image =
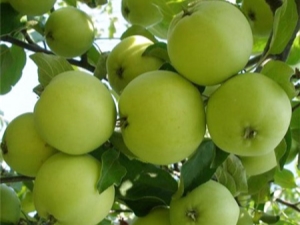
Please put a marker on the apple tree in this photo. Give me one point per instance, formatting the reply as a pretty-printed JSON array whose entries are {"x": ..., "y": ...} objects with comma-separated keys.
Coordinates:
[{"x": 166, "y": 112}]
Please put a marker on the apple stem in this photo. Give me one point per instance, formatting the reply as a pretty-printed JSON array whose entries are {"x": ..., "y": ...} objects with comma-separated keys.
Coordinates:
[
  {"x": 4, "y": 148},
  {"x": 122, "y": 122},
  {"x": 192, "y": 214},
  {"x": 249, "y": 133}
]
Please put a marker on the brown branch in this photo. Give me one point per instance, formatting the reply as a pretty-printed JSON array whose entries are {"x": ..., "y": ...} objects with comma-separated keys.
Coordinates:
[
  {"x": 83, "y": 63},
  {"x": 289, "y": 204},
  {"x": 14, "y": 179}
]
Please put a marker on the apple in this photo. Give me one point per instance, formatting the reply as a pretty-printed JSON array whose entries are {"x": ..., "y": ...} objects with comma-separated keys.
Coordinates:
[
  {"x": 162, "y": 117},
  {"x": 209, "y": 203},
  {"x": 248, "y": 115},
  {"x": 32, "y": 7},
  {"x": 255, "y": 165},
  {"x": 143, "y": 13},
  {"x": 69, "y": 32},
  {"x": 72, "y": 197},
  {"x": 244, "y": 218},
  {"x": 259, "y": 15},
  {"x": 125, "y": 62},
  {"x": 204, "y": 42},
  {"x": 22, "y": 147},
  {"x": 10, "y": 205},
  {"x": 75, "y": 113},
  {"x": 158, "y": 216}
]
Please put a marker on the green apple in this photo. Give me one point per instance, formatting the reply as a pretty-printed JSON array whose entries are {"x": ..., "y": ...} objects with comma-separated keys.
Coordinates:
[
  {"x": 126, "y": 61},
  {"x": 143, "y": 13},
  {"x": 209, "y": 203},
  {"x": 162, "y": 117},
  {"x": 32, "y": 7},
  {"x": 244, "y": 218},
  {"x": 22, "y": 147},
  {"x": 69, "y": 32},
  {"x": 209, "y": 42},
  {"x": 75, "y": 113},
  {"x": 72, "y": 197},
  {"x": 255, "y": 165},
  {"x": 248, "y": 115},
  {"x": 10, "y": 205},
  {"x": 157, "y": 216},
  {"x": 259, "y": 15}
]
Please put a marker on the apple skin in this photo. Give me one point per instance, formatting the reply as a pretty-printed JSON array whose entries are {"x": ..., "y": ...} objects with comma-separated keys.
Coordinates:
[
  {"x": 73, "y": 198},
  {"x": 248, "y": 115},
  {"x": 203, "y": 49},
  {"x": 143, "y": 13},
  {"x": 75, "y": 113},
  {"x": 162, "y": 116},
  {"x": 10, "y": 205},
  {"x": 125, "y": 62},
  {"x": 32, "y": 7},
  {"x": 25, "y": 151},
  {"x": 69, "y": 32},
  {"x": 157, "y": 216},
  {"x": 209, "y": 203},
  {"x": 259, "y": 15},
  {"x": 255, "y": 165}
]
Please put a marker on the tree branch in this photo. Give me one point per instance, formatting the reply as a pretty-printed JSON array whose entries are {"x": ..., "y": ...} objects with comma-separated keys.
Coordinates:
[
  {"x": 291, "y": 205},
  {"x": 83, "y": 63},
  {"x": 14, "y": 179}
]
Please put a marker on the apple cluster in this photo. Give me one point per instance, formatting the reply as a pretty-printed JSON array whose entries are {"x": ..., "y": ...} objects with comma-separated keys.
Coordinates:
[{"x": 159, "y": 115}]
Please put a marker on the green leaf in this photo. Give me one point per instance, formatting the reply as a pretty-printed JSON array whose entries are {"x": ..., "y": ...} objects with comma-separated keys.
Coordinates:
[
  {"x": 295, "y": 124},
  {"x": 112, "y": 171},
  {"x": 145, "y": 186},
  {"x": 200, "y": 167},
  {"x": 285, "y": 21},
  {"x": 294, "y": 55},
  {"x": 12, "y": 60},
  {"x": 49, "y": 66},
  {"x": 158, "y": 50},
  {"x": 285, "y": 178},
  {"x": 100, "y": 70},
  {"x": 281, "y": 73},
  {"x": 233, "y": 175},
  {"x": 263, "y": 195},
  {"x": 256, "y": 183},
  {"x": 283, "y": 149},
  {"x": 9, "y": 19},
  {"x": 71, "y": 2},
  {"x": 168, "y": 67},
  {"x": 93, "y": 55},
  {"x": 138, "y": 30}
]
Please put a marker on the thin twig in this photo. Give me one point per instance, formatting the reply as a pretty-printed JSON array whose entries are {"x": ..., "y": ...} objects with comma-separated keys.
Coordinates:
[
  {"x": 289, "y": 204},
  {"x": 14, "y": 179}
]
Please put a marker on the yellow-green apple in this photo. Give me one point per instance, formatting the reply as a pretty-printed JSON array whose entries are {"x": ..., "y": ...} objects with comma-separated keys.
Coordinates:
[
  {"x": 22, "y": 147},
  {"x": 259, "y": 15},
  {"x": 69, "y": 32},
  {"x": 10, "y": 205},
  {"x": 32, "y": 7},
  {"x": 75, "y": 113},
  {"x": 162, "y": 117},
  {"x": 209, "y": 203},
  {"x": 126, "y": 61},
  {"x": 157, "y": 216},
  {"x": 255, "y": 165},
  {"x": 143, "y": 13},
  {"x": 244, "y": 218},
  {"x": 204, "y": 42},
  {"x": 248, "y": 115},
  {"x": 65, "y": 190}
]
